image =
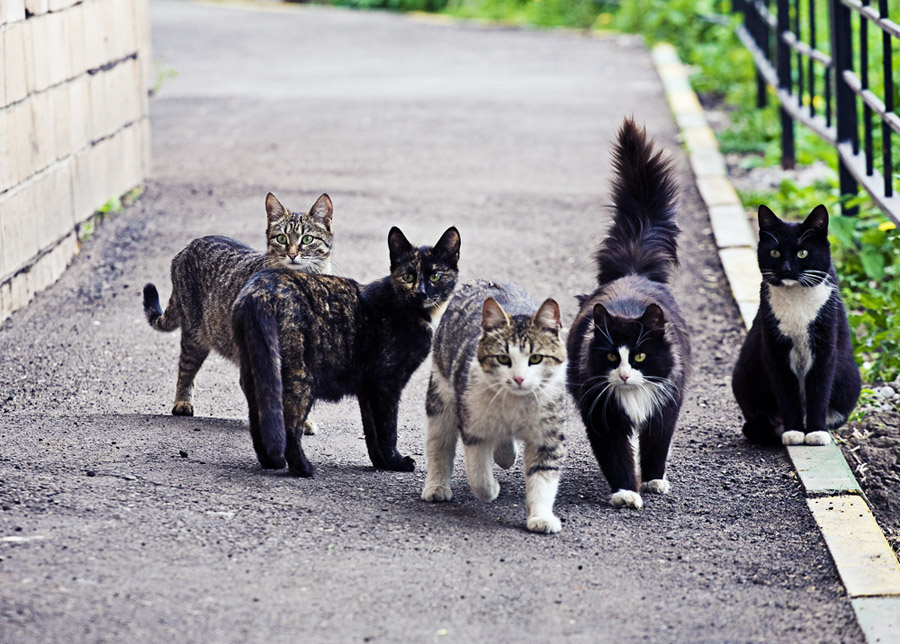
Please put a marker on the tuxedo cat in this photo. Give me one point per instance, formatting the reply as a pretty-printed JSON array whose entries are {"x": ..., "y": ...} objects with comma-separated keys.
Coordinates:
[{"x": 795, "y": 377}]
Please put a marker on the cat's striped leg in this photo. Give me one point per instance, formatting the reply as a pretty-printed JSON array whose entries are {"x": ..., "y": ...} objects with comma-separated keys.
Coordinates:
[
  {"x": 543, "y": 463},
  {"x": 479, "y": 456},
  {"x": 441, "y": 437},
  {"x": 192, "y": 356}
]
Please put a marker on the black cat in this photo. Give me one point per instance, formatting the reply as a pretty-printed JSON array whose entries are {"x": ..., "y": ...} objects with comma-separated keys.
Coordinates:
[
  {"x": 303, "y": 338},
  {"x": 795, "y": 377}
]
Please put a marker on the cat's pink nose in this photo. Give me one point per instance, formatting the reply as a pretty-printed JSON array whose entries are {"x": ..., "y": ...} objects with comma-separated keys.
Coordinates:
[
  {"x": 519, "y": 380},
  {"x": 624, "y": 377}
]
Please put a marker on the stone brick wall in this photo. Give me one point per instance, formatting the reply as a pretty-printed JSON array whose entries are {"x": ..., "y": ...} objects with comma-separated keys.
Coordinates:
[{"x": 74, "y": 128}]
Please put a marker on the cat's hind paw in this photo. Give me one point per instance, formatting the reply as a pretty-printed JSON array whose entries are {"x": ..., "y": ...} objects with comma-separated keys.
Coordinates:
[
  {"x": 436, "y": 492},
  {"x": 182, "y": 408},
  {"x": 656, "y": 486},
  {"x": 309, "y": 427},
  {"x": 544, "y": 525},
  {"x": 793, "y": 437},
  {"x": 626, "y": 499},
  {"x": 817, "y": 438}
]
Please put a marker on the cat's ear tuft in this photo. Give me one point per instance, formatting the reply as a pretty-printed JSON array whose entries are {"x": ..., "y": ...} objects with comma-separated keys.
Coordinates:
[
  {"x": 398, "y": 244},
  {"x": 448, "y": 244},
  {"x": 323, "y": 210},
  {"x": 275, "y": 209},
  {"x": 493, "y": 316},
  {"x": 767, "y": 218},
  {"x": 547, "y": 316},
  {"x": 653, "y": 317},
  {"x": 817, "y": 220}
]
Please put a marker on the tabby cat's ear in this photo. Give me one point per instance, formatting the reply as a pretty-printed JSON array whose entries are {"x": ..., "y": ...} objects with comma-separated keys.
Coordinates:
[
  {"x": 817, "y": 221},
  {"x": 653, "y": 317},
  {"x": 547, "y": 317},
  {"x": 493, "y": 316},
  {"x": 323, "y": 210},
  {"x": 448, "y": 244},
  {"x": 767, "y": 218},
  {"x": 398, "y": 244},
  {"x": 275, "y": 209}
]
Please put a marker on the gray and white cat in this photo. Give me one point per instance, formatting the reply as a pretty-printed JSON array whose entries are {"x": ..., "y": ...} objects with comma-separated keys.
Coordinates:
[
  {"x": 498, "y": 375},
  {"x": 210, "y": 272}
]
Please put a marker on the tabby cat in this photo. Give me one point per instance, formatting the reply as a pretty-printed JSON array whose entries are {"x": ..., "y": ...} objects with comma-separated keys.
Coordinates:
[
  {"x": 629, "y": 350},
  {"x": 795, "y": 377},
  {"x": 209, "y": 273},
  {"x": 498, "y": 374},
  {"x": 303, "y": 338}
]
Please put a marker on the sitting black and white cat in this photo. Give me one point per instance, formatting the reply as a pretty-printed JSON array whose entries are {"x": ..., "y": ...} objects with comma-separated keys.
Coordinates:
[{"x": 795, "y": 377}]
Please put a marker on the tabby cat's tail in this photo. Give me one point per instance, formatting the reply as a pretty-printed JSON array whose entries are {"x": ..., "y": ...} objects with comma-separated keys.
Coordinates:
[
  {"x": 642, "y": 239},
  {"x": 256, "y": 334},
  {"x": 168, "y": 321}
]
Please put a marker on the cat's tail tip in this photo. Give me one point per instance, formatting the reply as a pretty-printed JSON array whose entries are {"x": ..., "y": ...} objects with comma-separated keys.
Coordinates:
[{"x": 152, "y": 309}]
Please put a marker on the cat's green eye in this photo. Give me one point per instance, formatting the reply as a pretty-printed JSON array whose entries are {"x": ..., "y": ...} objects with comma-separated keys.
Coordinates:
[
  {"x": 408, "y": 278},
  {"x": 535, "y": 359},
  {"x": 640, "y": 357},
  {"x": 802, "y": 253},
  {"x": 306, "y": 239},
  {"x": 435, "y": 277},
  {"x": 504, "y": 360},
  {"x": 281, "y": 239},
  {"x": 612, "y": 357},
  {"x": 775, "y": 253}
]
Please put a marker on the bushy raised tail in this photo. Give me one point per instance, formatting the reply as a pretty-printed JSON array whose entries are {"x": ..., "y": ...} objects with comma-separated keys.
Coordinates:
[
  {"x": 256, "y": 335},
  {"x": 642, "y": 239},
  {"x": 168, "y": 321}
]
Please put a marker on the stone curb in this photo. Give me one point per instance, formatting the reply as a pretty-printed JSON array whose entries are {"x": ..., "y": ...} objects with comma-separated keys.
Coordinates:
[{"x": 867, "y": 565}]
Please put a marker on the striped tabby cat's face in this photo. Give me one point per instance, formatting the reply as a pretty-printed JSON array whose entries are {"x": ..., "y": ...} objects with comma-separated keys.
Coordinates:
[
  {"x": 303, "y": 240},
  {"x": 521, "y": 355},
  {"x": 424, "y": 277}
]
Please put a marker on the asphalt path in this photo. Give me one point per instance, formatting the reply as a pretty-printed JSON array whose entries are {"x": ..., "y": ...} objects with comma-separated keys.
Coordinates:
[{"x": 121, "y": 522}]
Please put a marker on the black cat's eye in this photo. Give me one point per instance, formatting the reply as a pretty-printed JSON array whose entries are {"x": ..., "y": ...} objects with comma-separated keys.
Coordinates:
[
  {"x": 435, "y": 277},
  {"x": 775, "y": 253},
  {"x": 612, "y": 357},
  {"x": 802, "y": 253},
  {"x": 504, "y": 360},
  {"x": 535, "y": 359},
  {"x": 640, "y": 357},
  {"x": 281, "y": 239},
  {"x": 408, "y": 278},
  {"x": 306, "y": 239}
]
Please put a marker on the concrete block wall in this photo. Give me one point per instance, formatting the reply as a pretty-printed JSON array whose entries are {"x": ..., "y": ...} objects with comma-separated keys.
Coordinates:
[{"x": 74, "y": 128}]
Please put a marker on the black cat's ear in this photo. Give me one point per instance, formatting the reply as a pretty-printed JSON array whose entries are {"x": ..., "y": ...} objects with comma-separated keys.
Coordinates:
[
  {"x": 398, "y": 245},
  {"x": 767, "y": 218},
  {"x": 493, "y": 316},
  {"x": 601, "y": 316},
  {"x": 323, "y": 210},
  {"x": 547, "y": 316},
  {"x": 448, "y": 244},
  {"x": 275, "y": 209},
  {"x": 817, "y": 221},
  {"x": 653, "y": 317}
]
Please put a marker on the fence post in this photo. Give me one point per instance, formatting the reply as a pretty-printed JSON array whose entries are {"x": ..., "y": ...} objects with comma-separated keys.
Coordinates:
[
  {"x": 845, "y": 100},
  {"x": 783, "y": 53}
]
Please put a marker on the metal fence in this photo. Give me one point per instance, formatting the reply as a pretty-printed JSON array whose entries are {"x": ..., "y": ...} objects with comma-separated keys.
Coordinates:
[{"x": 822, "y": 80}]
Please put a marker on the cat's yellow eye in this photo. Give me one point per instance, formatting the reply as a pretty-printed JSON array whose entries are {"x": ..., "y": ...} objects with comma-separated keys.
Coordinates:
[
  {"x": 408, "y": 278},
  {"x": 504, "y": 360},
  {"x": 612, "y": 357},
  {"x": 306, "y": 239},
  {"x": 281, "y": 239},
  {"x": 640, "y": 357},
  {"x": 435, "y": 277},
  {"x": 535, "y": 359},
  {"x": 802, "y": 253},
  {"x": 775, "y": 253}
]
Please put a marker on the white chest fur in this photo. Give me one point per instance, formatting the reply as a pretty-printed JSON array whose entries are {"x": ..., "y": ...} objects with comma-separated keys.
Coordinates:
[{"x": 795, "y": 307}]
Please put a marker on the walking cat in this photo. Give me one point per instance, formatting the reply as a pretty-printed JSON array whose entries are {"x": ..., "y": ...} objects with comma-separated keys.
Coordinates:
[
  {"x": 629, "y": 350},
  {"x": 303, "y": 338},
  {"x": 498, "y": 374},
  {"x": 210, "y": 272},
  {"x": 795, "y": 377}
]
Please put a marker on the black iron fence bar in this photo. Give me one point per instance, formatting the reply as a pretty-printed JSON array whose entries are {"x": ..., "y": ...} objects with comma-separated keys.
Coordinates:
[
  {"x": 888, "y": 73},
  {"x": 783, "y": 68},
  {"x": 856, "y": 167},
  {"x": 864, "y": 83},
  {"x": 812, "y": 62},
  {"x": 872, "y": 101}
]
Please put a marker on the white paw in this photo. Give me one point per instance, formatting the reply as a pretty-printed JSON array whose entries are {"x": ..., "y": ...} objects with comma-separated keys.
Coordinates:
[
  {"x": 544, "y": 525},
  {"x": 435, "y": 492},
  {"x": 793, "y": 437},
  {"x": 818, "y": 438},
  {"x": 656, "y": 486},
  {"x": 488, "y": 491},
  {"x": 309, "y": 427},
  {"x": 626, "y": 498}
]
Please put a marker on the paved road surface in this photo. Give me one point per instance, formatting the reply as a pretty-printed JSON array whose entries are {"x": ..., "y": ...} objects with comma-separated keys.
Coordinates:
[{"x": 120, "y": 522}]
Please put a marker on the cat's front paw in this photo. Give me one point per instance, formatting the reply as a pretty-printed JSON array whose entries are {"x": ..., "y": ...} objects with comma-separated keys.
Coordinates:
[
  {"x": 399, "y": 464},
  {"x": 487, "y": 491},
  {"x": 544, "y": 525},
  {"x": 793, "y": 437},
  {"x": 626, "y": 499},
  {"x": 817, "y": 438},
  {"x": 656, "y": 486},
  {"x": 309, "y": 427},
  {"x": 436, "y": 492},
  {"x": 182, "y": 408}
]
